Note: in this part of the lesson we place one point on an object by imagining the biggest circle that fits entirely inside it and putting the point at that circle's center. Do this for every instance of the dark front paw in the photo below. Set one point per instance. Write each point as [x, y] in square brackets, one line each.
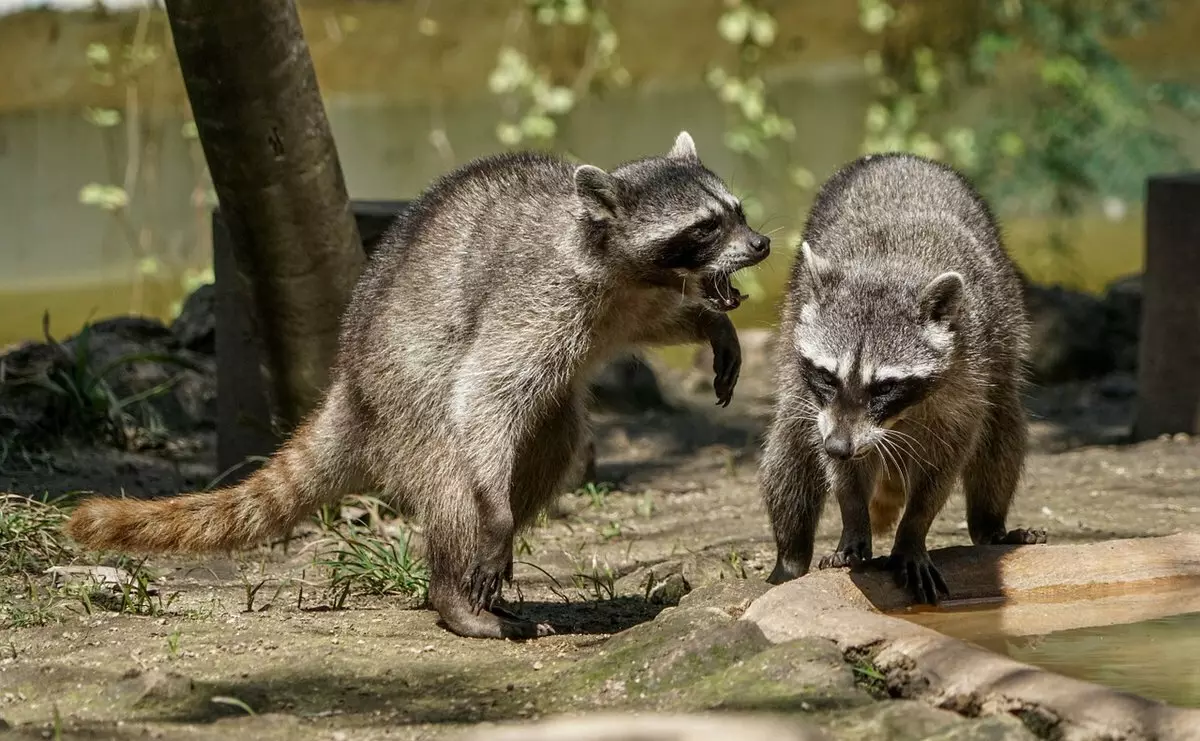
[727, 365]
[853, 554]
[1020, 536]
[915, 572]
[483, 581]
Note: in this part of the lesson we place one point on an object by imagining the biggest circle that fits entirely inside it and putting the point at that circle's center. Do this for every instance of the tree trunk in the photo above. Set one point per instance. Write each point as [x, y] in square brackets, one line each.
[261, 122]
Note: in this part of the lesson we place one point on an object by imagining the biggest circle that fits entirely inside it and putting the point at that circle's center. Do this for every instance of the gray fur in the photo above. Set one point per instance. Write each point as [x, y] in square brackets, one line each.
[459, 388]
[902, 279]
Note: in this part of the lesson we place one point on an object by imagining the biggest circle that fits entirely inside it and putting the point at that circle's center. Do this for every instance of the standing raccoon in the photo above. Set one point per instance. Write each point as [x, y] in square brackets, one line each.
[459, 385]
[900, 366]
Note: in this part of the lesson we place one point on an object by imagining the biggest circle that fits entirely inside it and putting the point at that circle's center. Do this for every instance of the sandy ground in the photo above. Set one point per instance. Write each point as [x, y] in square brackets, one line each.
[686, 503]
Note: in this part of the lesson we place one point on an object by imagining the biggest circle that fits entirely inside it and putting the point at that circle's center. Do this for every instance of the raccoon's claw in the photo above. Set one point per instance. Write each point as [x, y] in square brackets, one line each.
[916, 573]
[483, 584]
[850, 555]
[727, 365]
[1021, 536]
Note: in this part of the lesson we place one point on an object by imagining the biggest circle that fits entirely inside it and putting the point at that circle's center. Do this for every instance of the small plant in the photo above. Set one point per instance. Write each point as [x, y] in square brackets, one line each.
[611, 531]
[870, 678]
[524, 546]
[361, 560]
[646, 505]
[735, 561]
[173, 643]
[598, 582]
[30, 535]
[596, 492]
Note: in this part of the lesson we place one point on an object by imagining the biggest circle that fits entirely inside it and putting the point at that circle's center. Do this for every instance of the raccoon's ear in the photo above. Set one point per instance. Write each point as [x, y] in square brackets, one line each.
[684, 148]
[598, 191]
[819, 268]
[941, 298]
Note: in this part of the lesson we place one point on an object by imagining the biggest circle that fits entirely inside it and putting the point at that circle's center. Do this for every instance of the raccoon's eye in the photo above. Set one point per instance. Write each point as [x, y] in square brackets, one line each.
[884, 388]
[705, 229]
[825, 378]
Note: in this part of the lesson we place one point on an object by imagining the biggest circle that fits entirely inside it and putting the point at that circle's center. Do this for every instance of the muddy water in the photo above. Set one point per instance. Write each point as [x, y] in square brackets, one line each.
[1157, 658]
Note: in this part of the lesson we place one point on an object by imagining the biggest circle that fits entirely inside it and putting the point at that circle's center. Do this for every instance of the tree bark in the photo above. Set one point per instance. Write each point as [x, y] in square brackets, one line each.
[282, 195]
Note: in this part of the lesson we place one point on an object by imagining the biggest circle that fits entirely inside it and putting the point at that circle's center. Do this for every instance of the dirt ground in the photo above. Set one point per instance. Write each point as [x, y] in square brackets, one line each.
[686, 503]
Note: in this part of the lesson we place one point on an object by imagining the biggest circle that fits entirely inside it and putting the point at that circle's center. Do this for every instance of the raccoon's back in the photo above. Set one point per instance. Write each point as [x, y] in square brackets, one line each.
[908, 218]
[877, 191]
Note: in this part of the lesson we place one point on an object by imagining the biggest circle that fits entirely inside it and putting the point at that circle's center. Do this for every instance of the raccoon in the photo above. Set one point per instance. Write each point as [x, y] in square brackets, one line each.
[459, 385]
[900, 367]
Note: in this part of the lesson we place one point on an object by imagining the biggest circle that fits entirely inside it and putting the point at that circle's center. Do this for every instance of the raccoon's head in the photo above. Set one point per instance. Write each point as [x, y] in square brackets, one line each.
[670, 221]
[872, 344]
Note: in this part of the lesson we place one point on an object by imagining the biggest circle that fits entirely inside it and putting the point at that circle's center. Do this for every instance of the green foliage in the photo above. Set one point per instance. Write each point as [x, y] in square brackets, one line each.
[534, 102]
[1069, 122]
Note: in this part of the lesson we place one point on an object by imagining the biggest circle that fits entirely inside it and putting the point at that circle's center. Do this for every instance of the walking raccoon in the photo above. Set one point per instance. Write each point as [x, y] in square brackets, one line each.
[900, 365]
[459, 384]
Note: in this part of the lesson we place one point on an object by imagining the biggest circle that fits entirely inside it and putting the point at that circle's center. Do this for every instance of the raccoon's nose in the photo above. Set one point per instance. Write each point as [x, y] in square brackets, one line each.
[839, 447]
[760, 243]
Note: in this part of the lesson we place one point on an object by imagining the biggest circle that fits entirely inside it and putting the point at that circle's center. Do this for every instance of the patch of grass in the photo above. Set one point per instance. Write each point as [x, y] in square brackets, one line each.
[135, 595]
[363, 561]
[868, 676]
[596, 492]
[611, 531]
[173, 643]
[31, 537]
[595, 581]
[646, 505]
[737, 563]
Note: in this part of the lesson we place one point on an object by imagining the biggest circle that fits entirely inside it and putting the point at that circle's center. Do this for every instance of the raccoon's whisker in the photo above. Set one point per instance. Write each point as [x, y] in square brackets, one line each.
[886, 455]
[905, 436]
[908, 448]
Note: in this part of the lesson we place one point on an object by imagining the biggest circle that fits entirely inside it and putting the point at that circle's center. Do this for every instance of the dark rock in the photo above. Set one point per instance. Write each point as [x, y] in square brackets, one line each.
[1068, 335]
[627, 385]
[196, 326]
[120, 378]
[5, 725]
[1123, 308]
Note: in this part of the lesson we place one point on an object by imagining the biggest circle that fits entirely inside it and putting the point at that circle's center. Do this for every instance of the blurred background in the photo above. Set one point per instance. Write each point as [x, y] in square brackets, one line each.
[1058, 108]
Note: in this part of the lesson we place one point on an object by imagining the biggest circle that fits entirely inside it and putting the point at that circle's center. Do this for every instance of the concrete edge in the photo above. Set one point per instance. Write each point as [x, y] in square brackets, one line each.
[948, 673]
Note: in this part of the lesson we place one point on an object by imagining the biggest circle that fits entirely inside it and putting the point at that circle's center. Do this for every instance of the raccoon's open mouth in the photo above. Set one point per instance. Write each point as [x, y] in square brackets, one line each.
[718, 288]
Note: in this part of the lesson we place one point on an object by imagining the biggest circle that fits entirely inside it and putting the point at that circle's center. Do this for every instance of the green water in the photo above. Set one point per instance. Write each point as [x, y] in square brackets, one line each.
[1158, 659]
[1102, 251]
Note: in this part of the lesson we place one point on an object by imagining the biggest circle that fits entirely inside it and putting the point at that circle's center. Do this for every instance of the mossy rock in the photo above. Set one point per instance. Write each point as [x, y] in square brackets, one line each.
[678, 648]
[806, 676]
[909, 720]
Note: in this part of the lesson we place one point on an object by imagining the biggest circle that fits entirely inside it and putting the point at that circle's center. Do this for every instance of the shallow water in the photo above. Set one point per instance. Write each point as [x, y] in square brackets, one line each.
[1158, 658]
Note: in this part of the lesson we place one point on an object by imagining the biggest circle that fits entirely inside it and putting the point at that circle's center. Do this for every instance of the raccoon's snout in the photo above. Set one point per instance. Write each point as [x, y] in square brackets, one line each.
[839, 447]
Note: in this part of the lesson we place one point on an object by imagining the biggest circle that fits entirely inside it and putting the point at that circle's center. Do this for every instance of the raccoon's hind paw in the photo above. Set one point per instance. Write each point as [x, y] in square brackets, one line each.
[1021, 536]
[915, 572]
[483, 582]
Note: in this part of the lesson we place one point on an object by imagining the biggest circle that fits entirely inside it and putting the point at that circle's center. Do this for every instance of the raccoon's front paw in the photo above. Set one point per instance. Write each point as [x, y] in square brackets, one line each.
[483, 581]
[915, 572]
[727, 365]
[1021, 536]
[853, 554]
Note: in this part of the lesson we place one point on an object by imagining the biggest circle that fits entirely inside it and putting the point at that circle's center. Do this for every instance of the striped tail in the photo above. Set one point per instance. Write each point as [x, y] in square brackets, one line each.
[886, 504]
[301, 476]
